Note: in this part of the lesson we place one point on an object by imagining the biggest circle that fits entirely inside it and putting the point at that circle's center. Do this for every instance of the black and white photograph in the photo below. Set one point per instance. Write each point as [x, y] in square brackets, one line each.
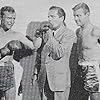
[49, 50]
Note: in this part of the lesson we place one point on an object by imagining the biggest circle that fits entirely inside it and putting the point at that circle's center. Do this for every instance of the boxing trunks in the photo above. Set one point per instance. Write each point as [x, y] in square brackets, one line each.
[7, 79]
[91, 75]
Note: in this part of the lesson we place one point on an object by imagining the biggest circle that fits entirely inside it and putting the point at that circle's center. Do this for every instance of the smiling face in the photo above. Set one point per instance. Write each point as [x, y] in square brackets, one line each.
[80, 17]
[54, 19]
[8, 20]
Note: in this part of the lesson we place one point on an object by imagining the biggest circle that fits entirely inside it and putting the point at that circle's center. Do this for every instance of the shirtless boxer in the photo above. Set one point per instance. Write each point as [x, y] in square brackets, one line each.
[8, 16]
[88, 38]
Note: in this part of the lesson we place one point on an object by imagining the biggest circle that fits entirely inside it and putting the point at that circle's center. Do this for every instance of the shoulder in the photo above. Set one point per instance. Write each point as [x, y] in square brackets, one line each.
[69, 32]
[18, 35]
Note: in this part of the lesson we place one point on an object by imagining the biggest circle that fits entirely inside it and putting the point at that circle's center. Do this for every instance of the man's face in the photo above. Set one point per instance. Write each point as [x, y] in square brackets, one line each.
[54, 19]
[80, 17]
[8, 20]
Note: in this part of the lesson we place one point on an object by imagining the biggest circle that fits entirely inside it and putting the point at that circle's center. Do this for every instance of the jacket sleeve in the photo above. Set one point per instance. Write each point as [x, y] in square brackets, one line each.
[58, 48]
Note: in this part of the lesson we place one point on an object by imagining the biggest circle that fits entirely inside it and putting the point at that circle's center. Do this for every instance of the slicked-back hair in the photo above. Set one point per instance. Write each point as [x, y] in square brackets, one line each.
[6, 8]
[61, 12]
[83, 6]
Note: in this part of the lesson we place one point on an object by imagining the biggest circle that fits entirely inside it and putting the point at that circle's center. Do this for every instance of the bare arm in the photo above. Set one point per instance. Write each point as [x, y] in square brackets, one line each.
[33, 45]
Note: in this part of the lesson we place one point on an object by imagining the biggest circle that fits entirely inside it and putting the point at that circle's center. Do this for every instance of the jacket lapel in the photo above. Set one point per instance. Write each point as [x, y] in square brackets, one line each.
[60, 33]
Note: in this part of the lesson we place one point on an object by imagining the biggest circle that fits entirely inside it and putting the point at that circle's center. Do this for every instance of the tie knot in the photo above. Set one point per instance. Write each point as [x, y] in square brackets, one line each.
[53, 33]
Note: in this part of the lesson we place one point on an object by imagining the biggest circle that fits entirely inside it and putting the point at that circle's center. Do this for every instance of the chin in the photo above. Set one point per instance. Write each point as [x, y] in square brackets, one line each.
[9, 27]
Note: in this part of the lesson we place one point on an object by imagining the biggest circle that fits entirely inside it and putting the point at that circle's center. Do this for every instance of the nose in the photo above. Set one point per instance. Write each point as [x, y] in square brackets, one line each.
[75, 18]
[12, 21]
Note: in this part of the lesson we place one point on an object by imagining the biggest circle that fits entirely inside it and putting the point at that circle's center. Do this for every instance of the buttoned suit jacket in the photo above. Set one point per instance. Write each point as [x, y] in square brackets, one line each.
[55, 60]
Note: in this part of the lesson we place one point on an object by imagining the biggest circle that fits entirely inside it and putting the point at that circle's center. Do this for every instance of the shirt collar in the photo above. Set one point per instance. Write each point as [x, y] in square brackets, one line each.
[55, 32]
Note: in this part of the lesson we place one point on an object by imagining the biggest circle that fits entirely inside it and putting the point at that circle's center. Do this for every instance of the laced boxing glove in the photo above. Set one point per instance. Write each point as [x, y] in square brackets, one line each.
[42, 30]
[44, 27]
[9, 48]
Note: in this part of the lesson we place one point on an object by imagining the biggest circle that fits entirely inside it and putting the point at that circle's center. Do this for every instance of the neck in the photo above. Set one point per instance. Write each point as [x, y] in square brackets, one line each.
[4, 28]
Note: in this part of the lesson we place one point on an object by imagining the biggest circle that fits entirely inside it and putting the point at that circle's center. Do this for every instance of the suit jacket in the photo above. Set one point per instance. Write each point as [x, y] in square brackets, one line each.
[55, 60]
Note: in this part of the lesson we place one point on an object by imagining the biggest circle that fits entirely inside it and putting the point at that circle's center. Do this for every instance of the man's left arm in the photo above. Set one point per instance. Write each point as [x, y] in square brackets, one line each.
[33, 45]
[59, 48]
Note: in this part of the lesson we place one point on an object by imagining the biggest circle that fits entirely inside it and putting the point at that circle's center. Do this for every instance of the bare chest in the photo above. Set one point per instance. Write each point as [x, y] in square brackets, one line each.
[89, 40]
[5, 38]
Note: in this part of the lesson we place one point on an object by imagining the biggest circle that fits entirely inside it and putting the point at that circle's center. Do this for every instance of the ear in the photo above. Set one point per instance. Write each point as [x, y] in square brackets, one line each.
[62, 18]
[88, 13]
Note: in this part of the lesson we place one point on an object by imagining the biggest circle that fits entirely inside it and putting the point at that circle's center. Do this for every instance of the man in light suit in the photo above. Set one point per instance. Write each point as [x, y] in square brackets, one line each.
[55, 57]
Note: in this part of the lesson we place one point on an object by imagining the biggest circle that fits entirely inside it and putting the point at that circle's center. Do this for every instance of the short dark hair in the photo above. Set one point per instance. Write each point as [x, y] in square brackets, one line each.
[61, 12]
[6, 8]
[83, 5]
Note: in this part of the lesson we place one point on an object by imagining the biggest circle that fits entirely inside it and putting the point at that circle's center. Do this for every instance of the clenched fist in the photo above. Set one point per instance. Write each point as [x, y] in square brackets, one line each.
[38, 42]
[9, 48]
[44, 27]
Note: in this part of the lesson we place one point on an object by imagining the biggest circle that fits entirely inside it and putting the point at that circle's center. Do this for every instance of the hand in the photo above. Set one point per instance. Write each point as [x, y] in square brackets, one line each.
[50, 33]
[34, 78]
[45, 38]
[37, 42]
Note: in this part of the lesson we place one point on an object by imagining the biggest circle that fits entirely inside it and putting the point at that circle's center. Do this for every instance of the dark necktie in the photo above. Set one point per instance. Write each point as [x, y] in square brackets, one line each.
[53, 33]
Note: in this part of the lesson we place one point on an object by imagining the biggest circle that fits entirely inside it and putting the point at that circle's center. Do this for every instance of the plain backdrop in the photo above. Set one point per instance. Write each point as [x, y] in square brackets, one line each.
[37, 10]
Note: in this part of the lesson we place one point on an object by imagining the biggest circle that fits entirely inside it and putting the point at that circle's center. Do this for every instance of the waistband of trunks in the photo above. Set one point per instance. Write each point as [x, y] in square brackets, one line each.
[88, 62]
